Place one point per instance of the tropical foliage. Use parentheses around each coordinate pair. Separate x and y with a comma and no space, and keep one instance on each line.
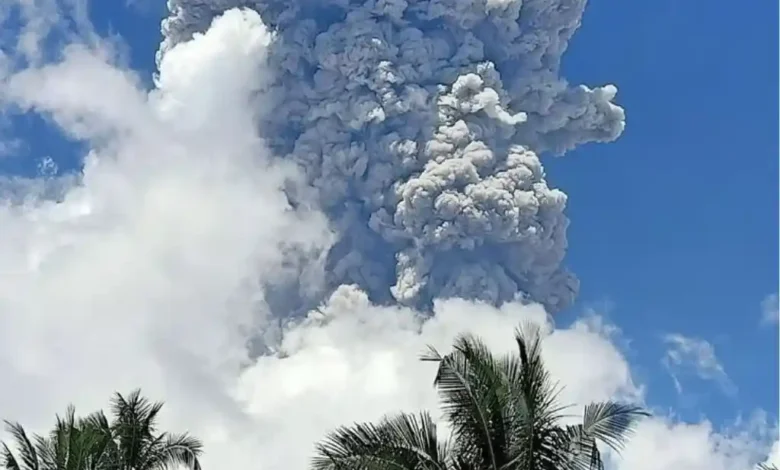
(503,413)
(129,442)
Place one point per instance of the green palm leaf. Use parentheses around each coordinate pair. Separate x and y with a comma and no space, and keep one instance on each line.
(169,451)
(472,393)
(610,422)
(133,426)
(27,451)
(400,442)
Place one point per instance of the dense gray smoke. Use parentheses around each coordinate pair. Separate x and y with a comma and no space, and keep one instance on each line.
(419,125)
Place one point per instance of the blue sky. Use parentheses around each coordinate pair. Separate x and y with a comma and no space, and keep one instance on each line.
(683,238)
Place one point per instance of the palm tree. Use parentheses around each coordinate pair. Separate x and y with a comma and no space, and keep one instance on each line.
(767,466)
(130,442)
(70,446)
(135,443)
(503,413)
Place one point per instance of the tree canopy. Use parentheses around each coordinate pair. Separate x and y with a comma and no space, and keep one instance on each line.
(503,413)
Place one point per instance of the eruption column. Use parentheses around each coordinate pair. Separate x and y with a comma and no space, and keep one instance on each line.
(418,125)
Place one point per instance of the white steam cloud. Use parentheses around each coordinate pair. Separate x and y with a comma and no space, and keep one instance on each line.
(194,224)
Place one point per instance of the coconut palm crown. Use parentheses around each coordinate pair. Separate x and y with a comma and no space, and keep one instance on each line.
(503,414)
(129,442)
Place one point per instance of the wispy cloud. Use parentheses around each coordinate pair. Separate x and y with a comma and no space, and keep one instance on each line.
(685,355)
(770,310)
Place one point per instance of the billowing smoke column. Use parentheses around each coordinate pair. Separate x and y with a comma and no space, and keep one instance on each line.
(419,124)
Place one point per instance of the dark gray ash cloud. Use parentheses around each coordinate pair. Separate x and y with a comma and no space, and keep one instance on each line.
(419,126)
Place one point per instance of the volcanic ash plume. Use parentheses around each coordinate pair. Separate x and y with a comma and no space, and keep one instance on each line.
(418,125)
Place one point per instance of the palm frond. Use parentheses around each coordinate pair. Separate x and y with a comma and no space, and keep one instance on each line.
(533,409)
(152,455)
(399,442)
(168,451)
(26,448)
(104,450)
(133,426)
(611,423)
(472,390)
(9,461)
(540,392)
(47,452)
